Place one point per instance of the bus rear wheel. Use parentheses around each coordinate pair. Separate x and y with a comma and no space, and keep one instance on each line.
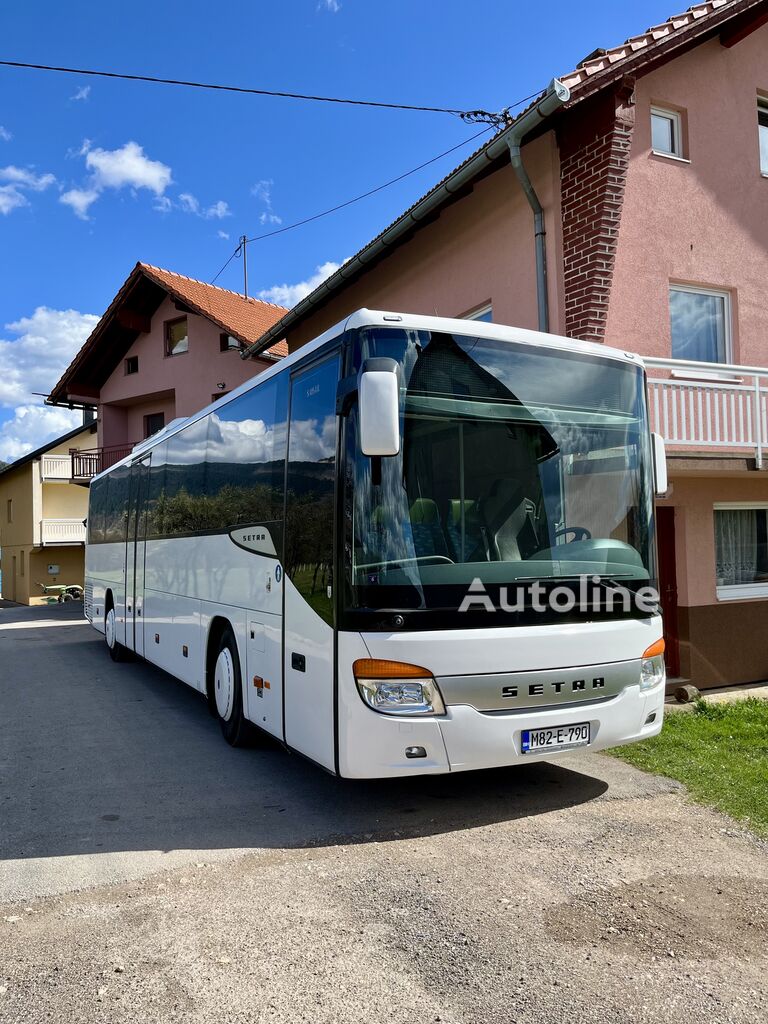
(116,650)
(228,691)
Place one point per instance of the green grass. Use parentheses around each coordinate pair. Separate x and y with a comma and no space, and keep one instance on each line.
(719,751)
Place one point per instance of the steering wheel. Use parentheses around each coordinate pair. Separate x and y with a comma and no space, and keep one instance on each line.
(579,532)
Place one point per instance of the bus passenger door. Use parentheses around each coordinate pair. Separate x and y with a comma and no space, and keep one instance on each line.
(309,719)
(134,556)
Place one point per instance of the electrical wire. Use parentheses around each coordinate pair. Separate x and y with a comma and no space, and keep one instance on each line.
(350,202)
(470,115)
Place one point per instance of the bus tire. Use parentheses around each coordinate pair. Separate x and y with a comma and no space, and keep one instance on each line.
(116,650)
(228,690)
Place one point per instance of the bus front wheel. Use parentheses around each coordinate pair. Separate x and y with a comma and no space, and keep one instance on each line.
(116,650)
(228,691)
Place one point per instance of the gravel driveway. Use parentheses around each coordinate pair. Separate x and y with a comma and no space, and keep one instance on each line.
(150,873)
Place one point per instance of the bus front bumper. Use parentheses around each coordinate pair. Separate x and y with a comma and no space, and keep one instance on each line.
(465,739)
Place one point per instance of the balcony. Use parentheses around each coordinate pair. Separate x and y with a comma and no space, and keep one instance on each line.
(87,462)
(715,406)
(55,532)
(56,468)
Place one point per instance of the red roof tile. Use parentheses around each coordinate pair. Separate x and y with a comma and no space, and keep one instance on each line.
(245,319)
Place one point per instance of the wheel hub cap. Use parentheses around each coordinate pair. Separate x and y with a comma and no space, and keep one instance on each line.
(224,684)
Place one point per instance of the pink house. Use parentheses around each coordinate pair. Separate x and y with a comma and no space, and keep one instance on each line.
(648,166)
(166,346)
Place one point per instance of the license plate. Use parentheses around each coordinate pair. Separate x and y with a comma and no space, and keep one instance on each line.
(555,738)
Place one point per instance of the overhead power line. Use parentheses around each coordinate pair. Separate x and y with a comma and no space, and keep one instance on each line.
(465,115)
(349,202)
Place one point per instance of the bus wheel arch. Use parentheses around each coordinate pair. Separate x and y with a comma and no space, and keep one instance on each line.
(223,683)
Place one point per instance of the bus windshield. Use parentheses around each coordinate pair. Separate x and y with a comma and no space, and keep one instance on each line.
(518,462)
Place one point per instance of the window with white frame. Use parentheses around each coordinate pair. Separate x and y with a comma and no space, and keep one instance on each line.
(666,132)
(762,129)
(741,550)
(700,320)
(485,313)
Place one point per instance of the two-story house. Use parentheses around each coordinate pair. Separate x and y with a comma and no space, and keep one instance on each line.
(628,205)
(166,347)
(42,519)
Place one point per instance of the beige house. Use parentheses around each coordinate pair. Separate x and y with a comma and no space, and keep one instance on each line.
(42,532)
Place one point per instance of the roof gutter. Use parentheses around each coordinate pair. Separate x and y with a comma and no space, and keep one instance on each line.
(556,95)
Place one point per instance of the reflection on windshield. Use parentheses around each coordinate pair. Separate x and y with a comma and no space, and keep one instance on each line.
(516,463)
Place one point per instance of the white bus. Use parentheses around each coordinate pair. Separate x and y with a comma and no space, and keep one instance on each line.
(399,550)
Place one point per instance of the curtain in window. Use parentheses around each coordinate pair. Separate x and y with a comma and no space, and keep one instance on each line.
(736,546)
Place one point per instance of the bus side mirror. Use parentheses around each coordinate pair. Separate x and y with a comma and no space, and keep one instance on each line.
(660,465)
(379,407)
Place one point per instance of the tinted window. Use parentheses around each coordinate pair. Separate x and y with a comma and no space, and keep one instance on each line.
(185,506)
(310,486)
(116,510)
(156,499)
(97,501)
(246,457)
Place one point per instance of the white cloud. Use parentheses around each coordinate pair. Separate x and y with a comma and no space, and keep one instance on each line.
(18,181)
(5,135)
(191,204)
(290,294)
(263,191)
(218,210)
(163,204)
(11,199)
(329,5)
(223,234)
(80,200)
(116,168)
(33,426)
(44,346)
(127,166)
(82,93)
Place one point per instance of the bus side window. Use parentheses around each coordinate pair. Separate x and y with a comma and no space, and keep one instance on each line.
(310,487)
(116,510)
(156,500)
(245,458)
(96,510)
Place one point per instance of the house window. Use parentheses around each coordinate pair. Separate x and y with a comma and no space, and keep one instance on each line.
(666,132)
(741,550)
(154,422)
(132,364)
(9,510)
(229,344)
(218,395)
(485,314)
(762,129)
(701,324)
(176,339)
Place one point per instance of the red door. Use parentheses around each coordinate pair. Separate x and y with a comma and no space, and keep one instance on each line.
(665,533)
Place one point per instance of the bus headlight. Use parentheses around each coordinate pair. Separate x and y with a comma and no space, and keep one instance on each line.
(396,688)
(652,670)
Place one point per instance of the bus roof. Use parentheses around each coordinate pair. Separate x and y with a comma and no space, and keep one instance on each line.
(405,321)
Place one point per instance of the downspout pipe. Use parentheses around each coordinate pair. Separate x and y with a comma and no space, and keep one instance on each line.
(556,95)
(509,139)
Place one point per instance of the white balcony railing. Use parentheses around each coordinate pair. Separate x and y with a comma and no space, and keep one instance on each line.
(56,468)
(710,405)
(62,531)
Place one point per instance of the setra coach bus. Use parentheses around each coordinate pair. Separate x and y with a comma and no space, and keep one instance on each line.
(415,545)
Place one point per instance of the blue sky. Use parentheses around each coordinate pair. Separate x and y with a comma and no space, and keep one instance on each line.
(97,174)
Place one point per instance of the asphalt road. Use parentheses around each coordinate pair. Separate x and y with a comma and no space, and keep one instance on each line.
(148,872)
